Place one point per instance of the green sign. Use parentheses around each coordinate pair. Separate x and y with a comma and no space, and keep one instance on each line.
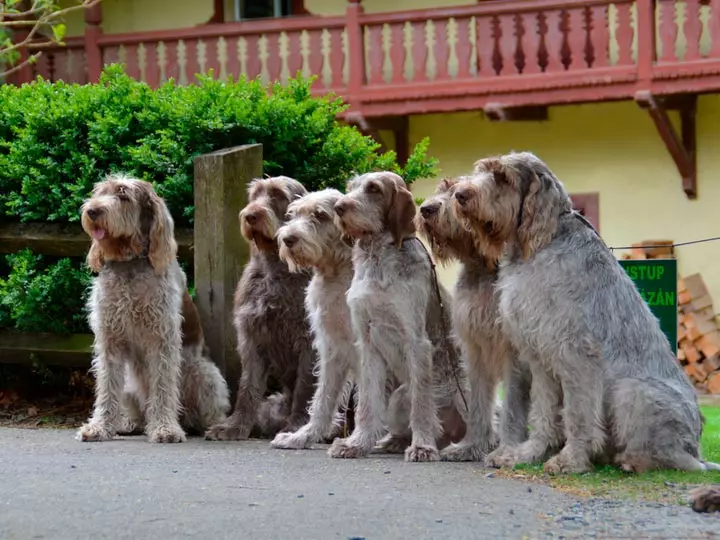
(656,280)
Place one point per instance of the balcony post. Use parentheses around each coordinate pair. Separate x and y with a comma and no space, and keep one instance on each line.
(646,41)
(356,52)
(93,53)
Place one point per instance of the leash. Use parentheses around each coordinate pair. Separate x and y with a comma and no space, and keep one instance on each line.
(436,284)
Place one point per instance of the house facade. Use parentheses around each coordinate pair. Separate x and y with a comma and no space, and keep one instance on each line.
(620,98)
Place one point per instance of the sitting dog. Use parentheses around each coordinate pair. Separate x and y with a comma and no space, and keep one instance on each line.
(594,347)
(150,363)
(487,354)
(272,330)
(400,318)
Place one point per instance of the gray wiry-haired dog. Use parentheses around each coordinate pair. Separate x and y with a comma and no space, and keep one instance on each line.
(594,347)
(310,239)
(273,334)
(487,353)
(397,319)
(150,364)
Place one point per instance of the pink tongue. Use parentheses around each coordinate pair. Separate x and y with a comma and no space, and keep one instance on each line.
(98,234)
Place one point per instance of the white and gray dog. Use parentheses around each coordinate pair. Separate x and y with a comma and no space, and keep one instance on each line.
(601,367)
(487,353)
(150,361)
(400,320)
(310,239)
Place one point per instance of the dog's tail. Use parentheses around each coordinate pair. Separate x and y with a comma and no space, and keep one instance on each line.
(710,466)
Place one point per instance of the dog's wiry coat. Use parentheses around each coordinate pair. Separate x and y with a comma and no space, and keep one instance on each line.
(595,349)
(150,359)
(310,239)
(269,315)
(397,320)
(487,354)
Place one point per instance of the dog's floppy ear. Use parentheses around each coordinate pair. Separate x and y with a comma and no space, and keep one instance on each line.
(95,257)
(162,247)
(401,212)
(539,210)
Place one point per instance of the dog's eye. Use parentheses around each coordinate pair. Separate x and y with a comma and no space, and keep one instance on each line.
(123,197)
(372,188)
(320,216)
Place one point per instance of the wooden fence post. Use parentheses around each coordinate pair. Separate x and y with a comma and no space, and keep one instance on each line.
(221,180)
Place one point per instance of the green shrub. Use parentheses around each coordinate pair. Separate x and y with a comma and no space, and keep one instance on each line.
(41,297)
(56,139)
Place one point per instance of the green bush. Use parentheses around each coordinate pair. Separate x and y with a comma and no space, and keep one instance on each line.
(56,139)
(37,296)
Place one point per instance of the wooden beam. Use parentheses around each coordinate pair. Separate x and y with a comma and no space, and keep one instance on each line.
(683,146)
(67,239)
(221,180)
(73,350)
(496,112)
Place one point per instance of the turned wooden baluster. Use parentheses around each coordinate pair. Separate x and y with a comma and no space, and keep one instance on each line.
(463,48)
(486,46)
(554,40)
(693,30)
(419,52)
(441,49)
(600,35)
(397,52)
(668,30)
(714,28)
(152,71)
(624,33)
(508,44)
(375,54)
(531,43)
(337,57)
(577,38)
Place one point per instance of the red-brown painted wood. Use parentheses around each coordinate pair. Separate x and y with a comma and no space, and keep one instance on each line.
(172,70)
(397,53)
(441,50)
(132,66)
(152,70)
(252,59)
(232,64)
(714,27)
(554,39)
(337,58)
(192,67)
(212,59)
(599,36)
(419,52)
(693,29)
(294,58)
(463,48)
(668,31)
(315,57)
(624,34)
(507,41)
(531,41)
(486,46)
(375,54)
(577,38)
(273,63)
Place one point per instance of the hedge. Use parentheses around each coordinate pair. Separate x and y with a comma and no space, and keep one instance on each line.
(57,140)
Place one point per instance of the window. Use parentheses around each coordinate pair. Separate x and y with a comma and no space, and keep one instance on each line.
(588,205)
(262,9)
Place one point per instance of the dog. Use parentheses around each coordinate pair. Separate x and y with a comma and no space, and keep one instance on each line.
(487,353)
(605,383)
(400,320)
(150,361)
(272,331)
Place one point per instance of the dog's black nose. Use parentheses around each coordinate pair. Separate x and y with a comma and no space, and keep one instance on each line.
(462,196)
(290,240)
(93,213)
(251,219)
(340,208)
(428,210)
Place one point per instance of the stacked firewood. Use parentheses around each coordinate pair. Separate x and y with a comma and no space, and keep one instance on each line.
(698,330)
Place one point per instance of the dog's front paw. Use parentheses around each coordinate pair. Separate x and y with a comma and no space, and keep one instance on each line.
(568,461)
(229,430)
(464,452)
(94,432)
(502,456)
(292,441)
(167,434)
(418,453)
(346,449)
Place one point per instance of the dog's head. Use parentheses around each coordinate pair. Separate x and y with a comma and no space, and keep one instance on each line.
(436,221)
(374,203)
(310,237)
(268,201)
(512,198)
(126,219)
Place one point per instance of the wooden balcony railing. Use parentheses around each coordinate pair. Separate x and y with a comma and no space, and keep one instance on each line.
(516,52)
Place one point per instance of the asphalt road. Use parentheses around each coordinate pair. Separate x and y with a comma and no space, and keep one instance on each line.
(54,487)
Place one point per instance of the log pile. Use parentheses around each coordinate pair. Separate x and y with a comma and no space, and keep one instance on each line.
(698,329)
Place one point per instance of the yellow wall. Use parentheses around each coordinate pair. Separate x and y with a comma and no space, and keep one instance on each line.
(613,149)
